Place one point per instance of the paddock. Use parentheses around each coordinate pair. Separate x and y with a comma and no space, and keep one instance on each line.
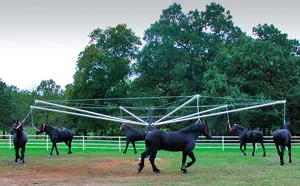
(111,167)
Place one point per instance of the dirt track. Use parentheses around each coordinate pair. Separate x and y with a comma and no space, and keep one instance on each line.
(77,171)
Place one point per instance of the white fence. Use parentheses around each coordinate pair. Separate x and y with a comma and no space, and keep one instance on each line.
(118,142)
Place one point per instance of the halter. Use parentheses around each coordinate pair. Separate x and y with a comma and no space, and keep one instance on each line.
(17,127)
(42,129)
(122,126)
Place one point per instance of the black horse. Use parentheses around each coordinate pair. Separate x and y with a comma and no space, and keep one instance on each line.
(20,139)
(182,140)
(246,136)
(132,135)
(283,138)
(57,136)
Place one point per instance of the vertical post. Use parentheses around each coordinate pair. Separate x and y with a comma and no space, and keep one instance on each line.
(32,123)
(199,119)
(83,145)
(47,143)
(9,141)
(223,145)
(228,119)
(119,143)
(284,110)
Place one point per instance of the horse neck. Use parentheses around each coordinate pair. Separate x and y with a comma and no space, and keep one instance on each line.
(129,128)
(240,129)
(195,129)
(49,129)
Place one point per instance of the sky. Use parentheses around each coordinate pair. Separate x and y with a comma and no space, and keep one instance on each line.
(41,40)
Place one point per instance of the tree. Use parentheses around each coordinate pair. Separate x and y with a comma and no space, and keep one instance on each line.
(7,107)
(104,67)
(48,90)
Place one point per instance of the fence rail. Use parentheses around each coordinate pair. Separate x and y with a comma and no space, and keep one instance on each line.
(118,142)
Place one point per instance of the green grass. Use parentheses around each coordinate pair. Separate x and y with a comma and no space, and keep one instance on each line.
(213,166)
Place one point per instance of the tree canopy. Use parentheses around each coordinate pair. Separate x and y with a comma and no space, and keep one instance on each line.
(198,52)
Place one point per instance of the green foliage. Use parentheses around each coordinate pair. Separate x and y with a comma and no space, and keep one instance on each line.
(198,52)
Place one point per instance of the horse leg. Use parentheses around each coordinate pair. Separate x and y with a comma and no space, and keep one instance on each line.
(281,155)
(241,148)
(57,153)
(183,162)
(253,144)
(17,153)
(192,156)
(151,159)
(127,143)
(263,147)
(52,149)
(68,143)
(142,163)
(70,146)
(133,144)
(23,155)
(289,149)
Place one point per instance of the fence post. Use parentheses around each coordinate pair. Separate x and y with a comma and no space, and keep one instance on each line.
(47,143)
(82,142)
(9,141)
(223,145)
(119,143)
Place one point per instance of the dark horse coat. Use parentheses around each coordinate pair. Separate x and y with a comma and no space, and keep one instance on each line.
(246,136)
(132,135)
(283,138)
(182,140)
(20,139)
(57,136)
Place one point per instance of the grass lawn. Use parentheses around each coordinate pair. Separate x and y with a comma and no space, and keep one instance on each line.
(109,167)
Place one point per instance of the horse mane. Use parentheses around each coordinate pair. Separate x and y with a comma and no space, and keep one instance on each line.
(241,127)
(49,127)
(191,128)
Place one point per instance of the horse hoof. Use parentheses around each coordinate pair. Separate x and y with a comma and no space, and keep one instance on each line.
(157,172)
(140,169)
(184,171)
(264,155)
(23,164)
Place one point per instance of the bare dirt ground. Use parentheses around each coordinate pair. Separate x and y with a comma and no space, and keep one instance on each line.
(78,171)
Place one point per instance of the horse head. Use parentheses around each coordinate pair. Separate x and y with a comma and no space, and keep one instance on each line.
(207,132)
(17,126)
(122,128)
(233,129)
(41,129)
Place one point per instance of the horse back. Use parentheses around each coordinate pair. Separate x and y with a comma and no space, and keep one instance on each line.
(282,137)
(136,135)
(170,141)
(62,135)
